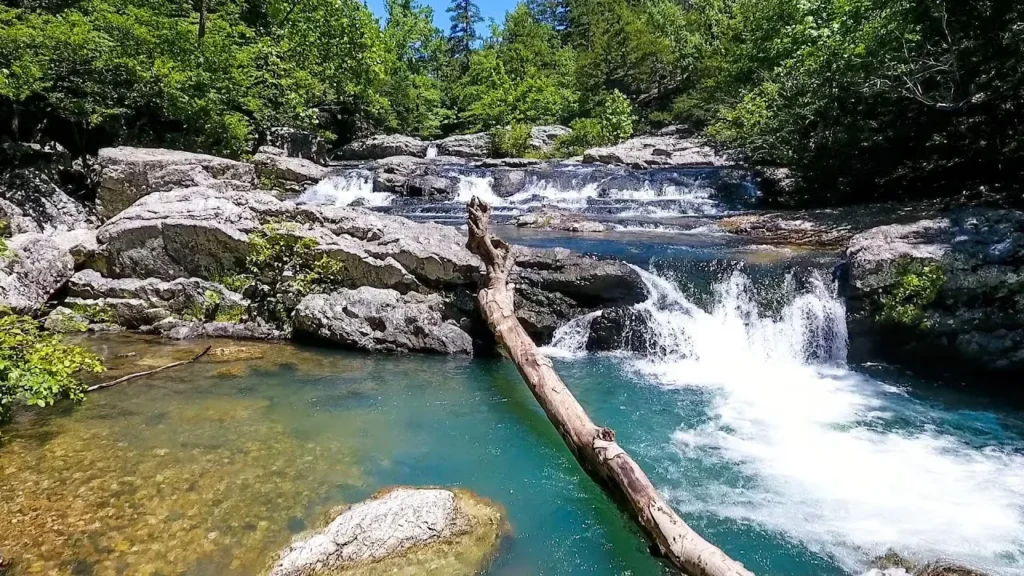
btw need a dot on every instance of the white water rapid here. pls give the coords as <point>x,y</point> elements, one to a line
<point>844,464</point>
<point>355,186</point>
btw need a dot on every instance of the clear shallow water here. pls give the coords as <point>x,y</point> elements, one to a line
<point>742,411</point>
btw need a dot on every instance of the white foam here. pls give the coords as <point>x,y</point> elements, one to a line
<point>481,187</point>
<point>822,457</point>
<point>570,340</point>
<point>545,193</point>
<point>345,189</point>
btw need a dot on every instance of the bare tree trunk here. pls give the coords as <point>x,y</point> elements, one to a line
<point>593,446</point>
<point>202,22</point>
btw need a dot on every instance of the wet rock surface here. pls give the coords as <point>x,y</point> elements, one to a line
<point>378,320</point>
<point>554,220</point>
<point>298,144</point>
<point>288,172</point>
<point>942,294</point>
<point>422,530</point>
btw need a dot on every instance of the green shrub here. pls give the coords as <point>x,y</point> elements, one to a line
<point>38,368</point>
<point>615,115</point>
<point>586,133</point>
<point>917,286</point>
<point>511,141</point>
<point>282,261</point>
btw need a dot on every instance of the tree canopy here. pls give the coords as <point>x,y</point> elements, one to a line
<point>863,99</point>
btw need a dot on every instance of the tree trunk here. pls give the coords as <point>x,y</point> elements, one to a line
<point>593,446</point>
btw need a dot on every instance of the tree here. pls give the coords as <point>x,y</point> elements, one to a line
<point>553,13</point>
<point>465,15</point>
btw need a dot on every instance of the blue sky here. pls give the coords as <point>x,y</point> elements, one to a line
<point>488,9</point>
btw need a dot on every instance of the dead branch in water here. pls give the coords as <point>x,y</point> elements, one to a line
<point>148,372</point>
<point>593,446</point>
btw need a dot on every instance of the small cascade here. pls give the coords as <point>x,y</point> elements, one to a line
<point>844,464</point>
<point>431,151</point>
<point>350,188</point>
<point>479,186</point>
<point>570,340</point>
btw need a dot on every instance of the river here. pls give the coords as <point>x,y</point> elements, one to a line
<point>740,405</point>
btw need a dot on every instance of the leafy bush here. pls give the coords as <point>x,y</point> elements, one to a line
<point>917,286</point>
<point>38,368</point>
<point>615,114</point>
<point>511,141</point>
<point>282,261</point>
<point>586,133</point>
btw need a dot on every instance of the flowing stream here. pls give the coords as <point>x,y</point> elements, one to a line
<point>740,404</point>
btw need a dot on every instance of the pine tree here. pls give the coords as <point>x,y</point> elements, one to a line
<point>465,17</point>
<point>554,13</point>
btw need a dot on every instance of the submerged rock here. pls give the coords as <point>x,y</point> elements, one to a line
<point>942,295</point>
<point>404,530</point>
<point>127,174</point>
<point>378,320</point>
<point>893,564</point>
<point>384,146</point>
<point>32,269</point>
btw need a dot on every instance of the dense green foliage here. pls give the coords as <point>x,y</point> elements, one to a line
<point>38,368</point>
<point>864,99</point>
<point>284,265</point>
<point>916,286</point>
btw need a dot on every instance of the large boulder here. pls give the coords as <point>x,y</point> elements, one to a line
<point>287,172</point>
<point>298,144</point>
<point>378,320</point>
<point>466,145</point>
<point>412,177</point>
<point>401,531</point>
<point>197,232</point>
<point>30,201</point>
<point>543,137</point>
<point>127,174</point>
<point>659,151</point>
<point>384,146</point>
<point>942,294</point>
<point>33,267</point>
<point>134,303</point>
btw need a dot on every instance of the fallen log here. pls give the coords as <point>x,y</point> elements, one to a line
<point>148,372</point>
<point>593,446</point>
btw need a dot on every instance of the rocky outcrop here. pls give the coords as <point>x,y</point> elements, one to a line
<point>30,201</point>
<point>413,178</point>
<point>298,144</point>
<point>188,232</point>
<point>385,146</point>
<point>127,174</point>
<point>620,328</point>
<point>81,244</point>
<point>465,145</point>
<point>287,172</point>
<point>788,229</point>
<point>135,304</point>
<point>403,530</point>
<point>941,295</point>
<point>659,151</point>
<point>543,137</point>
<point>33,267</point>
<point>378,320</point>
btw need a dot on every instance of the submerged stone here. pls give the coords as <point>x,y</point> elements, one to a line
<point>401,531</point>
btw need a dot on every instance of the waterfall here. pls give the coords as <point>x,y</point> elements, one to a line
<point>844,464</point>
<point>482,187</point>
<point>570,340</point>
<point>431,151</point>
<point>347,188</point>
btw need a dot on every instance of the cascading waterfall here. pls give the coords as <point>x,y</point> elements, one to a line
<point>570,340</point>
<point>347,188</point>
<point>843,464</point>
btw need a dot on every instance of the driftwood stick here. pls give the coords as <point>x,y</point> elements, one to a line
<point>593,446</point>
<point>147,372</point>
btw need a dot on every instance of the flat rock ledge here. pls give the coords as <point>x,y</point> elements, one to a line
<point>401,531</point>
